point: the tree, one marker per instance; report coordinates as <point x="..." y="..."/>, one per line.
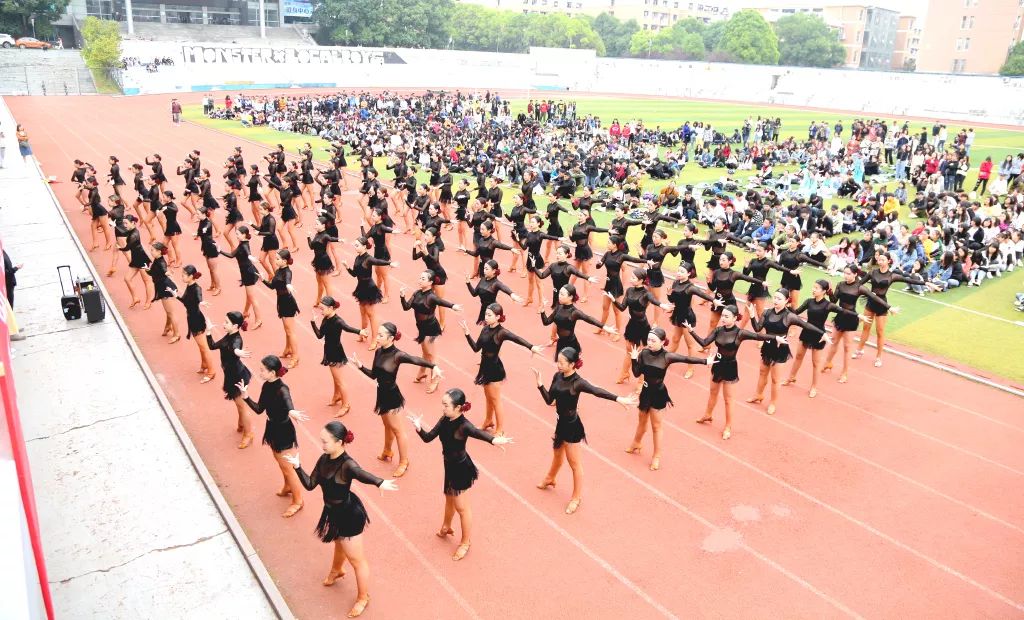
<point x="713" y="34"/>
<point x="102" y="43"/>
<point x="747" y="38"/>
<point x="683" y="41"/>
<point x="1014" y="64"/>
<point x="16" y="16"/>
<point x="377" y="23"/>
<point x="615" y="33"/>
<point x="805" y="40"/>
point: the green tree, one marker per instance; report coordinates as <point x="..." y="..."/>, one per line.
<point x="1014" y="64"/>
<point x="805" y="40"/>
<point x="102" y="43"/>
<point x="375" y="23"/>
<point x="749" y="39"/>
<point x="713" y="34"/>
<point x="683" y="41"/>
<point x="16" y="16"/>
<point x="615" y="33"/>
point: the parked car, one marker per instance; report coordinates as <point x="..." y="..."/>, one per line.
<point x="6" y="41"/>
<point x="32" y="43"/>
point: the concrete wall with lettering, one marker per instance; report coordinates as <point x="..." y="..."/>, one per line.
<point x="205" y="67"/>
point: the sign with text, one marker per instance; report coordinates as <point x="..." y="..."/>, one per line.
<point x="231" y="55"/>
<point x="297" y="8"/>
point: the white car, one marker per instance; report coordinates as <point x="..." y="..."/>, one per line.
<point x="6" y="41"/>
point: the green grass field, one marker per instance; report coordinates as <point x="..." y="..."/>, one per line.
<point x="971" y="326"/>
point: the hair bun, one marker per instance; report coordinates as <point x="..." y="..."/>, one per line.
<point x="282" y="371"/>
<point x="349" y="437"/>
<point x="197" y="274"/>
<point x="244" y="326"/>
<point x="466" y="406"/>
<point x="398" y="335"/>
<point x="290" y="260"/>
<point x="501" y="319"/>
<point x="578" y="363"/>
<point x="336" y="304"/>
<point x="497" y="272"/>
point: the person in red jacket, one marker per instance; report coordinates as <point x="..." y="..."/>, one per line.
<point x="984" y="172"/>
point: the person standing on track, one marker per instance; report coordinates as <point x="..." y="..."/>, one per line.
<point x="880" y="279"/>
<point x="846" y="294"/>
<point x="424" y="303"/>
<point x="232" y="353"/>
<point x="330" y="330"/>
<point x="175" y="112"/>
<point x="343" y="518"/>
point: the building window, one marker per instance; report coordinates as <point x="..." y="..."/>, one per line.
<point x="967" y="43"/>
<point x="675" y="5"/>
<point x="959" y="65"/>
<point x="647" y="13"/>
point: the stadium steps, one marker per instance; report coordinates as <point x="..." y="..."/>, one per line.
<point x="44" y="72"/>
<point x="246" y="35"/>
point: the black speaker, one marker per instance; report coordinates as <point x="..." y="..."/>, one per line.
<point x="71" y="305"/>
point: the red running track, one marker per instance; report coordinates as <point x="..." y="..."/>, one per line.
<point x="899" y="494"/>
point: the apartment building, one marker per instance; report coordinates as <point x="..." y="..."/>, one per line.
<point x="908" y="42"/>
<point x="969" y="36"/>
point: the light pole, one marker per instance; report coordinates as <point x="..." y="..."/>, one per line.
<point x="32" y="18"/>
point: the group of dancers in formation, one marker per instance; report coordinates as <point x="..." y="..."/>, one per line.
<point x="660" y="315"/>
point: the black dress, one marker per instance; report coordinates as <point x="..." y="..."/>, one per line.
<point x="580" y="235"/>
<point x="232" y="215"/>
<point x="276" y="402"/>
<point x="560" y="273"/>
<point x="459" y="470"/>
<point x="636" y="300"/>
<point x="722" y="283"/>
<point x="612" y="262"/>
<point x="554" y="225"/>
<point x="758" y="268"/>
<point x="564" y="317"/>
<point x="488" y="344"/>
<point x="846" y="295"/>
<point x="268" y="230"/>
<point x="379" y="234"/>
<point x="138" y="259"/>
<point x="653" y="366"/>
<point x="234" y="370"/>
<point x="366" y="291"/>
<point x="791" y="261"/>
<point x="287" y="307"/>
<point x="487" y="291"/>
<point x="817" y="314"/>
<point x="531" y="242"/>
<point x="171" y="225"/>
<point x="424" y="306"/>
<point x="681" y="294"/>
<point x="656" y="254"/>
<point x="254" y="188"/>
<point x="161" y="280"/>
<point x="246" y="269"/>
<point x="191" y="298"/>
<point x="206" y="243"/>
<point x="432" y="261"/>
<point x="880" y="283"/>
<point x="330" y="331"/>
<point x="322" y="262"/>
<point x="385" y="372"/>
<point x="776" y="324"/>
<point x="727" y="340"/>
<point x="344" y="515"/>
<point x="565" y="392"/>
<point x="484" y="250"/>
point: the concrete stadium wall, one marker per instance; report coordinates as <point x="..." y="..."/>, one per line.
<point x="201" y="67"/>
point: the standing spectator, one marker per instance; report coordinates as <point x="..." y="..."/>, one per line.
<point x="10" y="269"/>
<point x="3" y="148"/>
<point x="175" y="112"/>
<point x="984" y="172"/>
<point x="23" y="145"/>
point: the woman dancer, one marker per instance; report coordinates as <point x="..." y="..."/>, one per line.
<point x="267" y="230"/>
<point x="209" y="248"/>
<point x="880" y="279"/>
<point x="98" y="213"/>
<point x="306" y="177"/>
<point x="290" y="218"/>
<point x="727" y="339"/>
<point x="486" y="245"/>
<point x="319" y="241"/>
<point x="164" y="289"/>
<point x="817" y="308"/>
<point x="276" y="401"/>
<point x="280" y="281"/>
<point x="232" y="353"/>
<point x="620" y="224"/>
<point x="192" y="299"/>
<point x="157" y="167"/>
<point x="564" y="392"/>
<point x="255" y="198"/>
<point x="207" y="200"/>
<point x="722" y="281"/>
<point x="138" y="261"/>
<point x="614" y="257"/>
<point x="424" y="303"/>
<point x="488" y="287"/>
<point x="428" y="248"/>
<point x="330" y="330"/>
<point x="554" y="225"/>
<point x="378" y="236"/>
<point x="115" y="219"/>
<point x="758" y="267"/>
<point x="172" y="229"/>
<point x="651" y="363"/>
<point x="248" y="273"/>
<point x="343" y="518"/>
<point x="564" y="317"/>
<point x="459" y="471"/>
<point x="681" y="295"/>
<point x="366" y="292"/>
<point x="115" y="178"/>
<point x="492" y="371"/>
<point x="636" y="299"/>
<point x="774" y="321"/>
<point x="791" y="258"/>
<point x="655" y="254"/>
<point x="531" y="241"/>
<point x="580" y="236"/>
<point x="386" y="361"/>
<point x="846" y="294"/>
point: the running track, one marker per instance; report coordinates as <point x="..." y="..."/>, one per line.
<point x="897" y="495"/>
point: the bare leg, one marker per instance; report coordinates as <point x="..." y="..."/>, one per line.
<point x="356" y="557"/>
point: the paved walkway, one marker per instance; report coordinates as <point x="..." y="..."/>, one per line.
<point x="130" y="528"/>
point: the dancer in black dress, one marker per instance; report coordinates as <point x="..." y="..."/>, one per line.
<point x="343" y="518"/>
<point x="428" y="247"/>
<point x="486" y="245"/>
<point x="248" y="272"/>
<point x="517" y="218"/>
<point x="163" y="290"/>
<point x="561" y="272"/>
<point x="267" y="231"/>
<point x="774" y="321"/>
<point x="580" y="237"/>
<point x="306" y="176"/>
<point x="462" y="198"/>
<point x="621" y="223"/>
<point x="459" y="471"/>
<point x="98" y="214"/>
<point x="330" y="330"/>
<point x="614" y="258"/>
<point x="366" y="292"/>
<point x="722" y="281"/>
<point x="386" y="361"/>
<point x="551" y="213"/>
<point x="424" y="303"/>
<point x="564" y="318"/>
<point x="491" y="373"/>
<point x="157" y="167"/>
<point x="320" y="241"/>
<point x="291" y="208"/>
<point x="378" y="236"/>
<point x="138" y="261"/>
<point x="141" y="203"/>
<point x="204" y="232"/>
<point x="846" y="294"/>
<point x="818" y="307"/>
<point x="280" y="281"/>
<point x="564" y="392"/>
<point x="681" y="295"/>
<point x="232" y="217"/>
<point x="488" y="287"/>
<point x="276" y="401"/>
<point x="192" y="299"/>
<point x="651" y="364"/>
<point x="652" y="217"/>
<point x="115" y="178"/>
<point x="232" y="353"/>
<point x="758" y="267"/>
<point x="880" y="279"/>
<point x="790" y="257"/>
<point x="531" y="241"/>
<point x="655" y="254"/>
<point x="115" y="220"/>
<point x="172" y="229"/>
<point x="207" y="201"/>
<point x="636" y="299"/>
<point x="255" y="197"/>
<point x="727" y="339"/>
<point x="717" y="241"/>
